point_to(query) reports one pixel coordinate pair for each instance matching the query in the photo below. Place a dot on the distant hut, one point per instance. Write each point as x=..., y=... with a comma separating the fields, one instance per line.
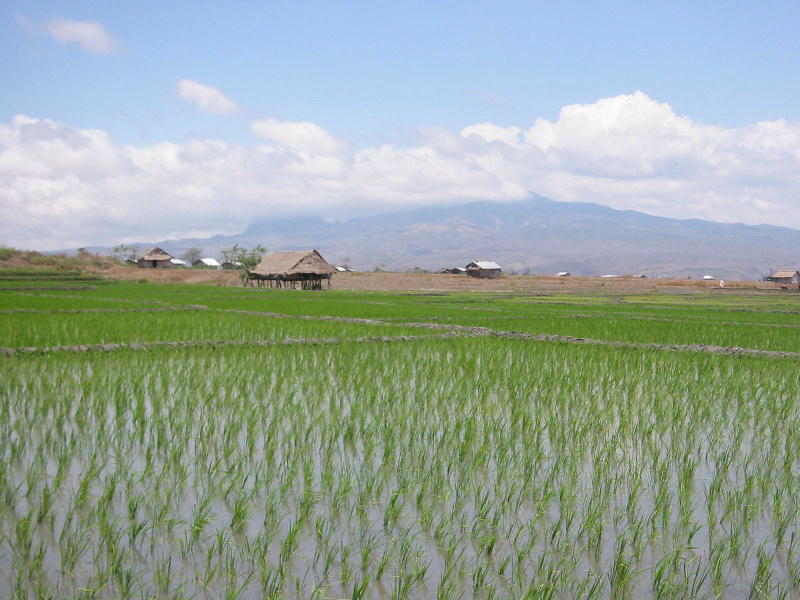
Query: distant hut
x=285, y=269
x=563, y=274
x=785, y=276
x=177, y=262
x=207, y=263
x=154, y=258
x=484, y=268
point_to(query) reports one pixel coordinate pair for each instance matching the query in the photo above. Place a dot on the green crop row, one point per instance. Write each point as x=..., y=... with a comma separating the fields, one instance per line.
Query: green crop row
x=481, y=468
x=31, y=329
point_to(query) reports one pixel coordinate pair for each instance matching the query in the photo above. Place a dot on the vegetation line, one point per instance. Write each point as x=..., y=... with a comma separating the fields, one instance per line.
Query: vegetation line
x=26, y=350
x=275, y=315
x=455, y=330
x=639, y=317
x=187, y=307
x=101, y=298
x=711, y=349
x=70, y=288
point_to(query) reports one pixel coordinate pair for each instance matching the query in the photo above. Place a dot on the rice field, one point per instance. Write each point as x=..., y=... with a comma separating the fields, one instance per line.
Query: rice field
x=396, y=445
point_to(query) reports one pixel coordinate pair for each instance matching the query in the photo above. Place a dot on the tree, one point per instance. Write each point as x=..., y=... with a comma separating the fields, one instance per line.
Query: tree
x=192, y=255
x=123, y=252
x=246, y=257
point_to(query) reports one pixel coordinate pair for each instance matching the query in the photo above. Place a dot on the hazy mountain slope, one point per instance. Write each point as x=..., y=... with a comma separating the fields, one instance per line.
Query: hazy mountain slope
x=536, y=235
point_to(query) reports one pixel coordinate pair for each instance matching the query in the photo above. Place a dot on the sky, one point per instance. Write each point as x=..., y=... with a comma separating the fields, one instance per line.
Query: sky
x=123, y=121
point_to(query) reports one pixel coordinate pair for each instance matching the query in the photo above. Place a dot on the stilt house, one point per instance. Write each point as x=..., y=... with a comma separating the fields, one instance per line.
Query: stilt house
x=286, y=269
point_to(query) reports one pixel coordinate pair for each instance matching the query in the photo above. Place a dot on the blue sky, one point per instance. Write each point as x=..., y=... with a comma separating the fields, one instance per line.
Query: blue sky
x=375, y=69
x=377, y=74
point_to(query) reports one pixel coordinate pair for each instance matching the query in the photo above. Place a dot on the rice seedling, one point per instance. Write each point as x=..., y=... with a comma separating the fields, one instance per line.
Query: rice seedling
x=474, y=466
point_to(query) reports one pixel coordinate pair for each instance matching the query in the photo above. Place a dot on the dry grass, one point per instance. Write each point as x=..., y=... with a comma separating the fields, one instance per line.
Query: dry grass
x=528, y=283
x=386, y=281
x=431, y=282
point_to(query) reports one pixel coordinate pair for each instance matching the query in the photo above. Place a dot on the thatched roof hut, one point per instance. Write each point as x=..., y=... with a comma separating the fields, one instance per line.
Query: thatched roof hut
x=286, y=268
x=154, y=258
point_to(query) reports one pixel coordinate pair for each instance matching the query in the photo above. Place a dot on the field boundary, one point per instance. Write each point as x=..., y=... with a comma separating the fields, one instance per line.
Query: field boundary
x=111, y=347
x=187, y=307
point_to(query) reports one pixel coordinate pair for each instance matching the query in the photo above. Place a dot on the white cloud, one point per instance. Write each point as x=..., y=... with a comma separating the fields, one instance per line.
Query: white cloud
x=493, y=133
x=66, y=187
x=90, y=35
x=206, y=98
x=301, y=137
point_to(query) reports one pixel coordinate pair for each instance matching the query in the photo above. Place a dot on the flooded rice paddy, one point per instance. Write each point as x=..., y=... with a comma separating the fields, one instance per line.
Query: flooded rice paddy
x=395, y=462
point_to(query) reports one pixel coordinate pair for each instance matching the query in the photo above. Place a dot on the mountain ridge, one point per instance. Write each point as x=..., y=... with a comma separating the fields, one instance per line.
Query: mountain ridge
x=535, y=235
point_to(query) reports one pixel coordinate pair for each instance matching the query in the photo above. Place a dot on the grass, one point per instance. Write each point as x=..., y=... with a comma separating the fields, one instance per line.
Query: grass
x=467, y=467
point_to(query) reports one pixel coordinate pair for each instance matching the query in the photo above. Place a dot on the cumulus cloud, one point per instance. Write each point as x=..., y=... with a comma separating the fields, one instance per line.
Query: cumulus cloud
x=206, y=97
x=90, y=35
x=493, y=133
x=65, y=187
x=300, y=136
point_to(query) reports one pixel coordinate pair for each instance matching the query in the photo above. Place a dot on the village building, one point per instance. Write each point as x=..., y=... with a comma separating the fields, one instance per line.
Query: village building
x=154, y=258
x=484, y=268
x=177, y=262
x=286, y=269
x=785, y=276
x=207, y=263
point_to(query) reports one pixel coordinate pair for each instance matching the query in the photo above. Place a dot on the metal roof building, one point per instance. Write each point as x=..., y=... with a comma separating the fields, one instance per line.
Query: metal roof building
x=484, y=268
x=785, y=276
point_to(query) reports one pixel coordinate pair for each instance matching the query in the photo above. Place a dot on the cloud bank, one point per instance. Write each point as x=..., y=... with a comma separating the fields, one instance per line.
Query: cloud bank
x=65, y=187
x=206, y=98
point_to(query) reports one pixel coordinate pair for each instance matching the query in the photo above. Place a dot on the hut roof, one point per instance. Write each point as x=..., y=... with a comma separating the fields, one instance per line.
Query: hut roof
x=484, y=264
x=209, y=262
x=155, y=253
x=784, y=273
x=293, y=263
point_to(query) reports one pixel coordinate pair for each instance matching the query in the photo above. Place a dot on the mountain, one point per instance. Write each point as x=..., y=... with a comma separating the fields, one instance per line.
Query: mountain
x=536, y=235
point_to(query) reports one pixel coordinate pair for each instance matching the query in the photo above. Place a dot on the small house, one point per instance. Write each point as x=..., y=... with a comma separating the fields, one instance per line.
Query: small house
x=286, y=269
x=177, y=262
x=231, y=265
x=207, y=263
x=484, y=268
x=154, y=258
x=563, y=274
x=785, y=276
